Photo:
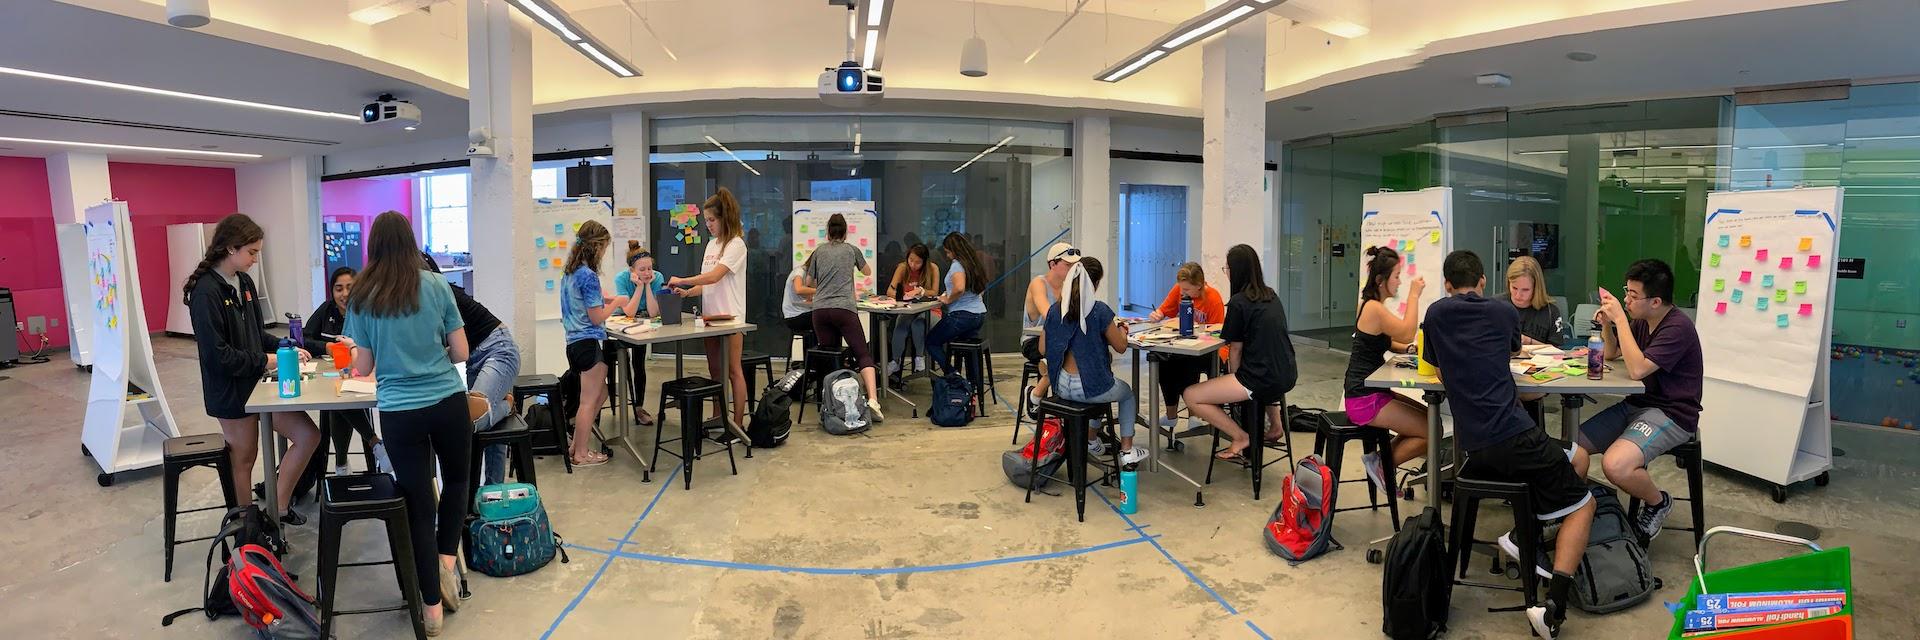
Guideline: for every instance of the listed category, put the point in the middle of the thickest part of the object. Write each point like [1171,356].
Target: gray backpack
[843,404]
[1614,574]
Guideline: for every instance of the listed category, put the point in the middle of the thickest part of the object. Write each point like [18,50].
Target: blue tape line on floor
[664,485]
[878,571]
[1256,629]
[1169,556]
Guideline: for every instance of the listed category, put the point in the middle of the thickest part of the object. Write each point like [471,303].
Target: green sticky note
[1779,295]
[1800,287]
[1714,259]
[1719,284]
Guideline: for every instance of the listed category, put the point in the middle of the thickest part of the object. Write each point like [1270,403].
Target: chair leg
[170,504]
[1697,500]
[692,430]
[1373,492]
[987,357]
[400,543]
[1527,527]
[659,429]
[1077,468]
[1465,510]
[329,565]
[523,460]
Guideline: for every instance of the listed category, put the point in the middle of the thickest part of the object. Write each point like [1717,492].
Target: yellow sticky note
[553,244]
[1806,244]
[1746,241]
[1433,237]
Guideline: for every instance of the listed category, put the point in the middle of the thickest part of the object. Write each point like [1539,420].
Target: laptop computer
[670,307]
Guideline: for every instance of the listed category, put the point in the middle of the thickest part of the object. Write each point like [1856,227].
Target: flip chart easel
[1766,327]
[1419,225]
[863,232]
[119,439]
[554,223]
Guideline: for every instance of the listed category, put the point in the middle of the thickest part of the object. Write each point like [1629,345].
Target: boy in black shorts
[1471,338]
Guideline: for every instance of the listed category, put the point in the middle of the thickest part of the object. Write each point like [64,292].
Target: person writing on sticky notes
[1179,372]
[1378,333]
[1660,348]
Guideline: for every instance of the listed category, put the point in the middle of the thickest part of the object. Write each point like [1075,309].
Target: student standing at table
[1262,368]
[1082,338]
[966,280]
[1471,339]
[493,362]
[637,284]
[1540,319]
[234,352]
[1660,348]
[1377,333]
[329,319]
[1179,372]
[831,269]
[583,313]
[405,323]
[917,277]
[1042,292]
[722,288]
[796,305]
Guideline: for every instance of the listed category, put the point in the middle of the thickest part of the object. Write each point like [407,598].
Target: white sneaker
[1096,448]
[893,368]
[1375,473]
[1512,550]
[919,363]
[1653,516]
[1133,456]
[341,470]
[873,408]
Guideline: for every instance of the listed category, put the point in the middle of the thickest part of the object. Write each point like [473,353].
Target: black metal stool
[548,386]
[367,496]
[1252,417]
[750,361]
[689,394]
[177,456]
[1076,417]
[821,361]
[979,362]
[1029,377]
[1335,433]
[1467,494]
[1686,456]
[512,432]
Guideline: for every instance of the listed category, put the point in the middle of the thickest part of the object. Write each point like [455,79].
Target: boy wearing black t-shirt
[1471,338]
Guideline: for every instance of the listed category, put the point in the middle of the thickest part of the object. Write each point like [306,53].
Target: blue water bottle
[1186,316]
[293,328]
[1129,483]
[289,369]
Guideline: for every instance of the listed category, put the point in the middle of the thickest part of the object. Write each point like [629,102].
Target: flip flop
[1236,456]
[592,460]
[643,418]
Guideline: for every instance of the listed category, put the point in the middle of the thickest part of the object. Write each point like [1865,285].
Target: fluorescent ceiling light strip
[1778,169]
[617,68]
[1540,152]
[730,154]
[175,94]
[873,47]
[1792,146]
[996,147]
[1692,146]
[1128,70]
[128,147]
[876,9]
[1864,138]
[1207,29]
[1678,166]
[1883,161]
[539,12]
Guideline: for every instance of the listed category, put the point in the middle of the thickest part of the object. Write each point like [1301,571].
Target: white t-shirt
[729,295]
[791,304]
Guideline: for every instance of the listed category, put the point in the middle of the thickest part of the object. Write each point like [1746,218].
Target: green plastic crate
[1820,569]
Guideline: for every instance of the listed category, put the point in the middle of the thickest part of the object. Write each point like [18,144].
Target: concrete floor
[910,531]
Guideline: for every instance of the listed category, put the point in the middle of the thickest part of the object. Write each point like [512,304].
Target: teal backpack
[508,533]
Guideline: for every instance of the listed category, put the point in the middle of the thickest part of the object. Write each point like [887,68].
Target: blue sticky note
[540,242]
[1766,281]
[1724,240]
[1780,321]
[1760,303]
[559,229]
[1736,296]
[549,285]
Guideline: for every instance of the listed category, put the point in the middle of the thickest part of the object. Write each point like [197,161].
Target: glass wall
[928,177]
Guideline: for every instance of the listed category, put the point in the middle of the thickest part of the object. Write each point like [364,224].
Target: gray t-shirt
[832,268]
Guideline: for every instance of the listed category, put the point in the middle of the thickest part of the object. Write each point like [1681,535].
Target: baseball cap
[1063,252]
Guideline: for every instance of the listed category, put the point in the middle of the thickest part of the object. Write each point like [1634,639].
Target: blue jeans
[902,329]
[957,325]
[491,367]
[1068,388]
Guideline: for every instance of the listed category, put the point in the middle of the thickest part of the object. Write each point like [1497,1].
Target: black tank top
[1368,353]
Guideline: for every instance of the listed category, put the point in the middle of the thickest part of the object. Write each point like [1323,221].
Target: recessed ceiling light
[1581,56]
[175,94]
[126,147]
[1303,107]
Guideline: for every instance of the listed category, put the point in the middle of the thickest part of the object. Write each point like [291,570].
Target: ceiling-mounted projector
[851,85]
[387,111]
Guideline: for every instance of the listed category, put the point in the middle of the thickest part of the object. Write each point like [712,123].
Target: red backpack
[267,599]
[1039,458]
[1302,525]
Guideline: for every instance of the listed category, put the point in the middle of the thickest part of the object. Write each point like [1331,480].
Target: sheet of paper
[355,385]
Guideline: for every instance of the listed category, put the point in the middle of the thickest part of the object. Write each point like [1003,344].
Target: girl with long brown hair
[1262,366]
[722,289]
[235,352]
[966,280]
[406,325]
[583,313]
[1376,332]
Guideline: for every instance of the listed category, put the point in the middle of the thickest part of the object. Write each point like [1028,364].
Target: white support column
[632,183]
[76,181]
[1234,207]
[500,81]
[283,196]
[1093,228]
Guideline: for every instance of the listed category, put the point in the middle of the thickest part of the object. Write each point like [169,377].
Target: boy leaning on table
[1471,338]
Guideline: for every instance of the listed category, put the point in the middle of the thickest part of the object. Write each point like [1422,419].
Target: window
[446,202]
[546,182]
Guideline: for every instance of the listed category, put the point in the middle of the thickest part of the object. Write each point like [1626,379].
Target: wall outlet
[36,324]
[54,322]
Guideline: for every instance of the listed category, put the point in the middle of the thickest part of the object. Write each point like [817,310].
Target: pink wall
[29,255]
[362,199]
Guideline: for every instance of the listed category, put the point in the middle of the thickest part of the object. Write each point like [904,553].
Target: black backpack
[241,526]
[952,404]
[1305,420]
[772,419]
[1415,588]
[1614,573]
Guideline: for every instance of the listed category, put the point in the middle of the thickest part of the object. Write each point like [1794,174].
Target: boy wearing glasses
[1660,348]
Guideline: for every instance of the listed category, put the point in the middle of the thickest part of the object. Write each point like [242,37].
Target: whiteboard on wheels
[1766,286]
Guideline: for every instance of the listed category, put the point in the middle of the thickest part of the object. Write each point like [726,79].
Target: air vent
[208,160]
[164,127]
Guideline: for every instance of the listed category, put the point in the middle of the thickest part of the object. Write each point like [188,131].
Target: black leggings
[342,425]
[802,325]
[415,439]
[1179,372]
[834,325]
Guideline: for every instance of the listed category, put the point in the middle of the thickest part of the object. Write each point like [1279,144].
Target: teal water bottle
[289,369]
[1129,494]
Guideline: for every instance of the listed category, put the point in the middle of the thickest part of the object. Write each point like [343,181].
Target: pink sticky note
[1403,308]
[853,228]
[1746,277]
[1813,262]
[1806,309]
[1721,308]
[1409,268]
[863,242]
[1760,255]
[1786,263]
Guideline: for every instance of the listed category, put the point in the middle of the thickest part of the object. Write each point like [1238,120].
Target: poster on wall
[1766,286]
[863,232]
[1418,225]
